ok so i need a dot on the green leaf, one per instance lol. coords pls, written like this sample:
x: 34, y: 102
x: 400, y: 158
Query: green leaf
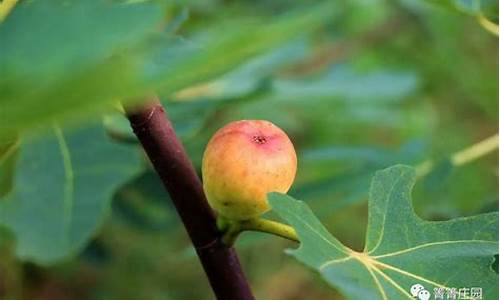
x: 401, y: 249
x: 63, y: 185
x: 91, y: 53
x: 84, y: 56
x: 249, y: 77
x: 346, y: 173
x: 229, y: 46
x: 144, y: 203
x: 342, y: 82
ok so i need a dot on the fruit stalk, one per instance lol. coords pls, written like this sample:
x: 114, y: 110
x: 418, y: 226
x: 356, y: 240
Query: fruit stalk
x: 232, y: 229
x: 169, y: 159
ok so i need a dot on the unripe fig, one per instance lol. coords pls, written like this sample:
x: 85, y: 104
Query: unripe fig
x: 243, y: 162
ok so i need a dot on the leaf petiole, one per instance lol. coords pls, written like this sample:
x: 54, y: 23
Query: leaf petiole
x: 464, y: 156
x: 5, y: 7
x: 231, y: 229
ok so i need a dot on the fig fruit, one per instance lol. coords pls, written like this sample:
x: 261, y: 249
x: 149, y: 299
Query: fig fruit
x: 243, y: 162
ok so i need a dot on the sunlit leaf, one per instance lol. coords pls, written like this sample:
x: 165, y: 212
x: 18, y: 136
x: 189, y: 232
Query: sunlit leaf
x: 90, y: 53
x: 76, y: 60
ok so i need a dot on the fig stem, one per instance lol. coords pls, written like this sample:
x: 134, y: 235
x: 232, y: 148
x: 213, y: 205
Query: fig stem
x: 168, y: 157
x: 231, y: 229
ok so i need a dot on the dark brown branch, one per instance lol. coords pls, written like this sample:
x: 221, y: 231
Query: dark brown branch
x: 157, y: 136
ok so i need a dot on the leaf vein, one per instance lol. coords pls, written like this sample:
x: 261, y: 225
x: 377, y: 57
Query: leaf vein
x: 375, y: 279
x: 335, y: 261
x: 389, y: 195
x: 390, y: 267
x: 69, y: 184
x: 403, y: 251
x: 395, y: 284
x: 343, y: 250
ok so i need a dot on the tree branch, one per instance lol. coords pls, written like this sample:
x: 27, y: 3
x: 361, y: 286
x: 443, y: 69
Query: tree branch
x: 158, y: 138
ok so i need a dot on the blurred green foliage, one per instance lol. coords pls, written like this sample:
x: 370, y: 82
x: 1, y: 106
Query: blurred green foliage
x: 358, y: 85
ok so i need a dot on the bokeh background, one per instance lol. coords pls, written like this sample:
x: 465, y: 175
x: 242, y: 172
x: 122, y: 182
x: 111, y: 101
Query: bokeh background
x: 376, y: 84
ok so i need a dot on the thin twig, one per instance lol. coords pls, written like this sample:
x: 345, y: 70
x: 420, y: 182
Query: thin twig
x: 464, y: 156
x: 158, y: 138
x: 488, y: 25
x: 6, y: 7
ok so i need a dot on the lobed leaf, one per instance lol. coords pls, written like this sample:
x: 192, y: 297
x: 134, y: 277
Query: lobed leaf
x: 401, y: 249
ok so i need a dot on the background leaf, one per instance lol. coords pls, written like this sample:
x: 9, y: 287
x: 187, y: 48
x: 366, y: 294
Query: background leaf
x: 116, y: 52
x: 49, y: 70
x: 62, y: 191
